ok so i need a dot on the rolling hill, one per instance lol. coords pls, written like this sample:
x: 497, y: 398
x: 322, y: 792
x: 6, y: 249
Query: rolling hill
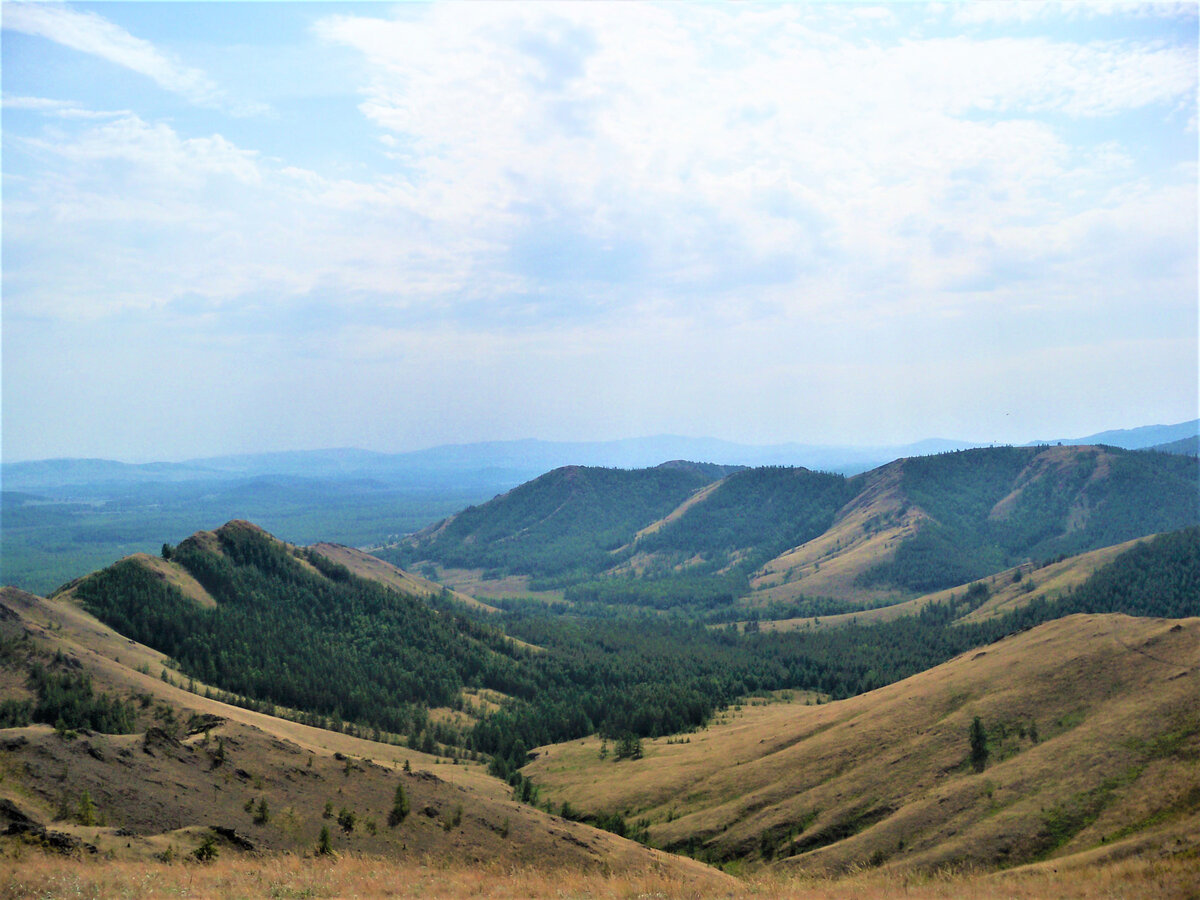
x: 1087, y: 716
x: 189, y: 767
x: 1093, y: 738
x: 247, y: 613
x: 566, y: 520
x: 777, y: 537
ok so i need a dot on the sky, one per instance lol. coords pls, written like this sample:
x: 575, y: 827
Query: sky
x: 237, y: 227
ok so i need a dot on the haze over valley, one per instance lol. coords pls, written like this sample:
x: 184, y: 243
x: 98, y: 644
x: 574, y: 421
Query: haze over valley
x: 600, y: 450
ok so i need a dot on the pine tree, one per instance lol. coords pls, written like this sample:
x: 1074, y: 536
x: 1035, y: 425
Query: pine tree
x: 399, y: 807
x: 87, y: 809
x: 324, y: 844
x: 207, y: 851
x: 979, y: 749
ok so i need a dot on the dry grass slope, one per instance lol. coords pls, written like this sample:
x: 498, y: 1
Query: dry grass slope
x: 368, y: 878
x: 1007, y: 593
x: 865, y: 532
x: 374, y: 569
x: 162, y: 788
x: 884, y: 779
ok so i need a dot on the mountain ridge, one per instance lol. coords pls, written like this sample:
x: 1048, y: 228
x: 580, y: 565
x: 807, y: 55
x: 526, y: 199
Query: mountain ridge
x: 895, y: 532
x: 531, y: 455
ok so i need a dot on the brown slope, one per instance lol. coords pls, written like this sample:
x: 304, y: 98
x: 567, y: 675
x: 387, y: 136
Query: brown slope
x: 372, y: 568
x: 162, y: 787
x: 163, y: 570
x: 883, y: 778
x: 865, y: 532
x: 1007, y: 593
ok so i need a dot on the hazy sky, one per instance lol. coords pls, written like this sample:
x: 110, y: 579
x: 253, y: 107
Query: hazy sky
x: 234, y: 227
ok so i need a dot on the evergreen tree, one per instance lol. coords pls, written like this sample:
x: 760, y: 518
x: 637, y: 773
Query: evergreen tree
x: 207, y: 851
x: 87, y: 809
x: 399, y: 807
x: 979, y: 749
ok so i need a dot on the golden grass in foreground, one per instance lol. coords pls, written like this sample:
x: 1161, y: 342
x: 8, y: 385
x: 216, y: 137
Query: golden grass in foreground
x: 34, y: 874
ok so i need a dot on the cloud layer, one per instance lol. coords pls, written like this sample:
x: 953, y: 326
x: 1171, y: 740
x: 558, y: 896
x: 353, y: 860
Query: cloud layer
x: 778, y: 202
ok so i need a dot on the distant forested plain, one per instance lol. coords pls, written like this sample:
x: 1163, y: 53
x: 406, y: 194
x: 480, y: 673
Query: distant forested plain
x: 51, y: 536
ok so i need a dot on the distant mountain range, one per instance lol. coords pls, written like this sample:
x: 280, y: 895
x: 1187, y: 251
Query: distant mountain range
x: 1146, y: 437
x: 503, y: 464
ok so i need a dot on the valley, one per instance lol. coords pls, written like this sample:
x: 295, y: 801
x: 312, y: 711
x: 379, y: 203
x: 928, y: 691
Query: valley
x: 599, y: 450
x: 622, y: 677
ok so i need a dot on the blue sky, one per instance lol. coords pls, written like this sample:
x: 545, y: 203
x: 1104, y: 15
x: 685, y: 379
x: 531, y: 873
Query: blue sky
x: 236, y: 227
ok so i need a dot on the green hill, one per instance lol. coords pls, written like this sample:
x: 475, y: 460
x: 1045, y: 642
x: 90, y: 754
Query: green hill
x: 565, y: 521
x: 290, y: 627
x: 992, y: 508
x: 784, y: 537
x: 1188, y: 446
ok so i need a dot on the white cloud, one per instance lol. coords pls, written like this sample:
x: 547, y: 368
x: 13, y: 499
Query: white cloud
x: 95, y: 35
x: 41, y: 104
x: 744, y: 149
x: 992, y: 12
x: 676, y: 170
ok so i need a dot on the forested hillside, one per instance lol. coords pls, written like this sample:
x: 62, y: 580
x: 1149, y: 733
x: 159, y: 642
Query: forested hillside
x: 752, y: 516
x: 918, y: 525
x: 993, y: 508
x: 291, y: 628
x: 563, y: 522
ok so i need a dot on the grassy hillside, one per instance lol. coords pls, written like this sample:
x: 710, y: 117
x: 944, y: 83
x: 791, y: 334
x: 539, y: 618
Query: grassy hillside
x: 369, y: 877
x: 1007, y: 591
x: 191, y: 762
x: 1092, y: 739
x: 1088, y: 736
x: 863, y: 534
